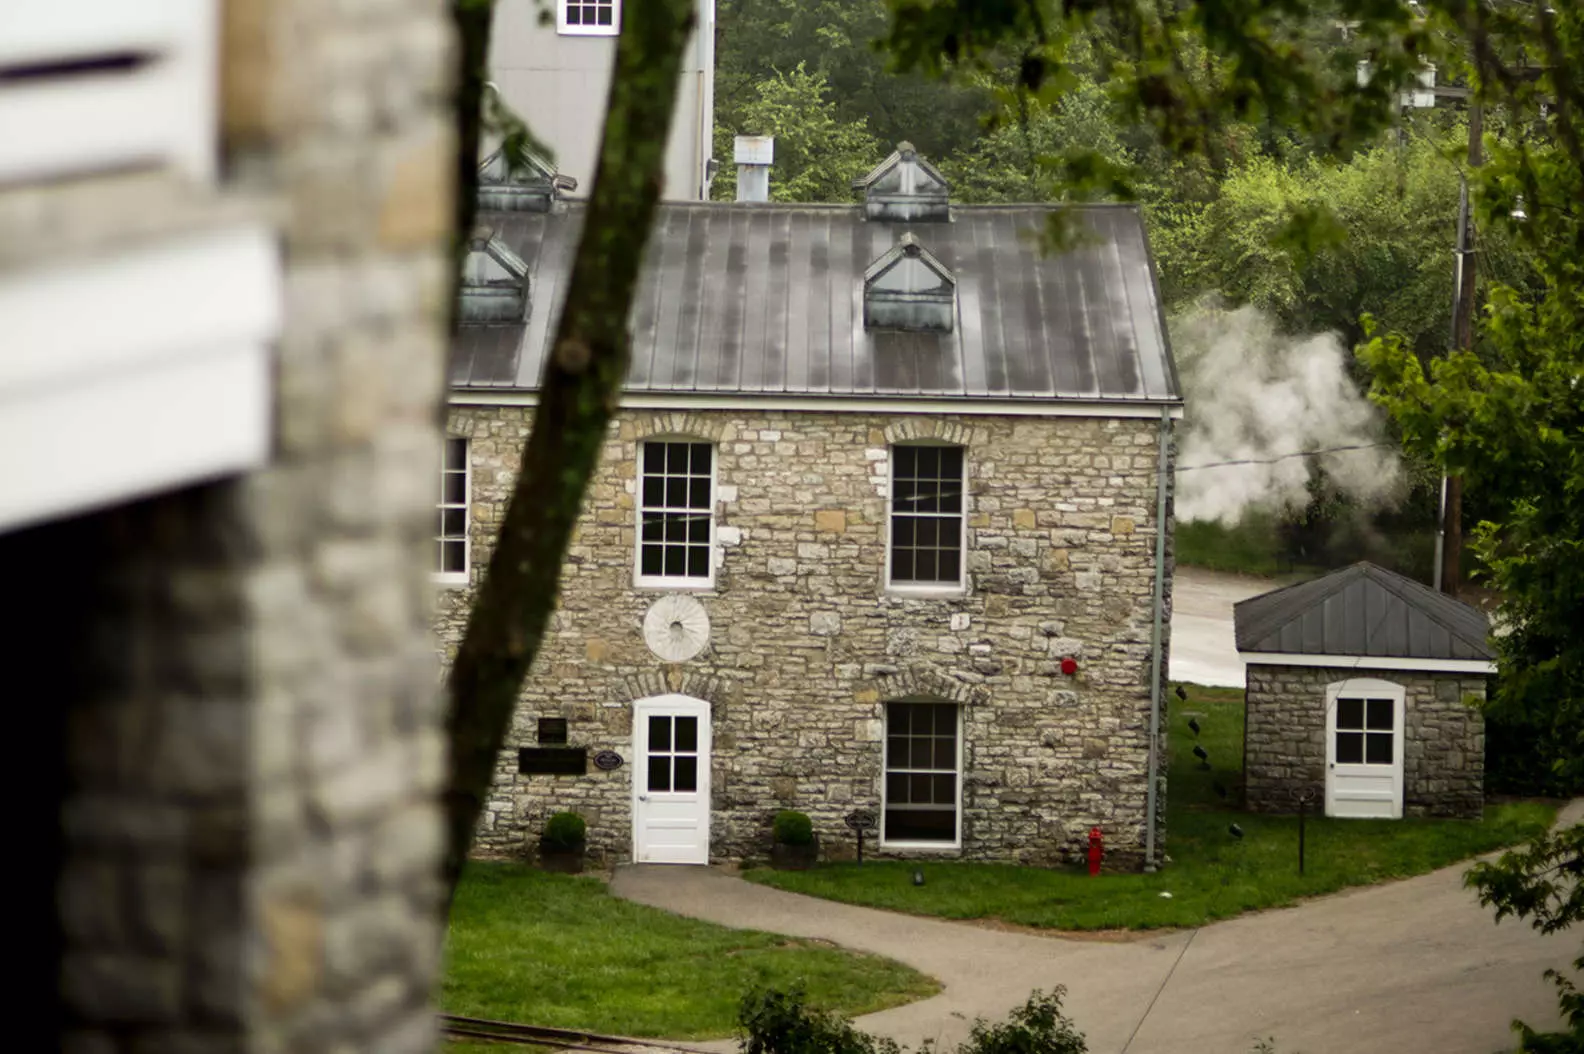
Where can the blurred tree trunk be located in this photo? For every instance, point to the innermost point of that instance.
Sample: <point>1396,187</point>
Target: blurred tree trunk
<point>578,393</point>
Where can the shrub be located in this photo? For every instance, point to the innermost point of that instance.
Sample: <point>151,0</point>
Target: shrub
<point>783,1023</point>
<point>1036,1027</point>
<point>775,1022</point>
<point>564,831</point>
<point>793,828</point>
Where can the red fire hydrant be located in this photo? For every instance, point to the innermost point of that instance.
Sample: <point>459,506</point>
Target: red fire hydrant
<point>1096,850</point>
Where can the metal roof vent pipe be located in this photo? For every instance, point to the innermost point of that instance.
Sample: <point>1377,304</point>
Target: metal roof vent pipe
<point>754,154</point>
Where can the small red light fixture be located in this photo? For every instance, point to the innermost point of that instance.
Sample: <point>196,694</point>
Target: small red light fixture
<point>1069,666</point>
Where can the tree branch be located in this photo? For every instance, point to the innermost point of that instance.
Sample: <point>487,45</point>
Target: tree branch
<point>577,397</point>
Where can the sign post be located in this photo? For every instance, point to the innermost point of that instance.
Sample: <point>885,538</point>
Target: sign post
<point>860,821</point>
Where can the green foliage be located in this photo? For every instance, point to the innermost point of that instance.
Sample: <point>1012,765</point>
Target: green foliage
<point>759,39</point>
<point>776,1022</point>
<point>525,945</point>
<point>1542,882</point>
<point>563,832</point>
<point>792,828</point>
<point>1036,1027</point>
<point>817,153</point>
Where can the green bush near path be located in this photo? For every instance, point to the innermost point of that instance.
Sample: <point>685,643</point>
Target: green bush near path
<point>555,950</point>
<point>1211,875</point>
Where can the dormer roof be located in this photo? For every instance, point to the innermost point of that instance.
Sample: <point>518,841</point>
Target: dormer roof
<point>532,188</point>
<point>494,281</point>
<point>905,187</point>
<point>908,288</point>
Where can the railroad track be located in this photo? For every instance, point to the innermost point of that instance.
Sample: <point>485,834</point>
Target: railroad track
<point>563,1038</point>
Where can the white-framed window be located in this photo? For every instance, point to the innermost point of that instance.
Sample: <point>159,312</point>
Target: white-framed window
<point>590,18</point>
<point>451,514</point>
<point>676,513</point>
<point>927,534</point>
<point>921,802</point>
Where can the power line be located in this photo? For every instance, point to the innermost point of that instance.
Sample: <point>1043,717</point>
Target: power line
<point>1283,457</point>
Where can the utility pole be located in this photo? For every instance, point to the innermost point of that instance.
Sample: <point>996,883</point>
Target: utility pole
<point>1449,543</point>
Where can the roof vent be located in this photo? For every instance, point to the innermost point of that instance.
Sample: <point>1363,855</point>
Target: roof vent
<point>494,281</point>
<point>909,289</point>
<point>532,188</point>
<point>905,187</point>
<point>754,155</point>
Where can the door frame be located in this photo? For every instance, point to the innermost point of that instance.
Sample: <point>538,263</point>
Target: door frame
<point>1374,688</point>
<point>671,703</point>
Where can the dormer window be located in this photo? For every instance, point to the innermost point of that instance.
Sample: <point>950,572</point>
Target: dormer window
<point>531,188</point>
<point>909,289</point>
<point>905,187</point>
<point>494,281</point>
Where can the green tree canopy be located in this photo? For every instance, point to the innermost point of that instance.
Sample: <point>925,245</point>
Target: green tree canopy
<point>817,153</point>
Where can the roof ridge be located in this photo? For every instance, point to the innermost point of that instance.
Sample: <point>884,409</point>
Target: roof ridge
<point>1393,582</point>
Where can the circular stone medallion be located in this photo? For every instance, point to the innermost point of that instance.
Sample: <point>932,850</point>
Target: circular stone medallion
<point>676,627</point>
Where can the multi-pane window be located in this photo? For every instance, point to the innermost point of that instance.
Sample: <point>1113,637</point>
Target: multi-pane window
<point>451,514</point>
<point>921,761</point>
<point>926,516</point>
<point>676,504</point>
<point>1364,731</point>
<point>596,17</point>
<point>673,753</point>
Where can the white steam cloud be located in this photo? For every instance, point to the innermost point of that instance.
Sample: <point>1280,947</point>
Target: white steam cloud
<point>1256,396</point>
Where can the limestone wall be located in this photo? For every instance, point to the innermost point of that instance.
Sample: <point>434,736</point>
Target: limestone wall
<point>238,684</point>
<point>1443,748</point>
<point>807,644</point>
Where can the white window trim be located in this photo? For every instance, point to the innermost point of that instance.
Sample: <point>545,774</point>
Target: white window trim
<point>462,578</point>
<point>1367,662</point>
<point>672,584</point>
<point>568,30</point>
<point>926,590</point>
<point>955,845</point>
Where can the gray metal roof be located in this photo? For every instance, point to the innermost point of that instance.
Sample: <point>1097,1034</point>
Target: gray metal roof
<point>768,299</point>
<point>1362,610</point>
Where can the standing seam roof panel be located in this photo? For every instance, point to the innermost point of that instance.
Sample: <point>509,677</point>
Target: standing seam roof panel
<point>728,301</point>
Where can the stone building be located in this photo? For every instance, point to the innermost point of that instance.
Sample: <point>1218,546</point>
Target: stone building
<point>1364,690</point>
<point>878,527</point>
<point>224,277</point>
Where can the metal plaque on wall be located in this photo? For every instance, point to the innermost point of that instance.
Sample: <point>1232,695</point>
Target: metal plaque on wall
<point>607,760</point>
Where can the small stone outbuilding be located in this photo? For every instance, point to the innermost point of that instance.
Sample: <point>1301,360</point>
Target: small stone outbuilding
<point>1364,687</point>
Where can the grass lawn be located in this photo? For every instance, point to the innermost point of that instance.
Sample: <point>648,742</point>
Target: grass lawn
<point>556,950</point>
<point>1211,875</point>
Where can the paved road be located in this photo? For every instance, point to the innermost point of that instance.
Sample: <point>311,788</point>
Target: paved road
<point>1202,646</point>
<point>1398,969</point>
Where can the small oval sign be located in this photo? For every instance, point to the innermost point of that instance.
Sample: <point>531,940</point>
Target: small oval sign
<point>607,760</point>
<point>861,820</point>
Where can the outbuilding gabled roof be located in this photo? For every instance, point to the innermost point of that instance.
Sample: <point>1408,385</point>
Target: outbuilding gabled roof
<point>1362,610</point>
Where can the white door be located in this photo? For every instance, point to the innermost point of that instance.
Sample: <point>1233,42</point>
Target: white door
<point>671,785</point>
<point>1364,749</point>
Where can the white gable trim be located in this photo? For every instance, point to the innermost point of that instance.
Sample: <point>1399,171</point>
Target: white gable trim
<point>1368,662</point>
<point>960,404</point>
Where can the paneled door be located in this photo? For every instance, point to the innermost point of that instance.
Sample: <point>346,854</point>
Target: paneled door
<point>671,792</point>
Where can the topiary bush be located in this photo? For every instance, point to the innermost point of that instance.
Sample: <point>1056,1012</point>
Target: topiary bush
<point>793,828</point>
<point>563,832</point>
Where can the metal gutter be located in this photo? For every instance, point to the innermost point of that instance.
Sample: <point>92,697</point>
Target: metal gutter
<point>1151,801</point>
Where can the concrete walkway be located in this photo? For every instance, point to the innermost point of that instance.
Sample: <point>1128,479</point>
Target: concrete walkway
<point>1412,966</point>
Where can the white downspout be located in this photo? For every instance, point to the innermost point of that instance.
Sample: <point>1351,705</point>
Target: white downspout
<point>1157,642</point>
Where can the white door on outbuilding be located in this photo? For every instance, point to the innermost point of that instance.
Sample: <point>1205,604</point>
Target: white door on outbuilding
<point>1364,749</point>
<point>671,780</point>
